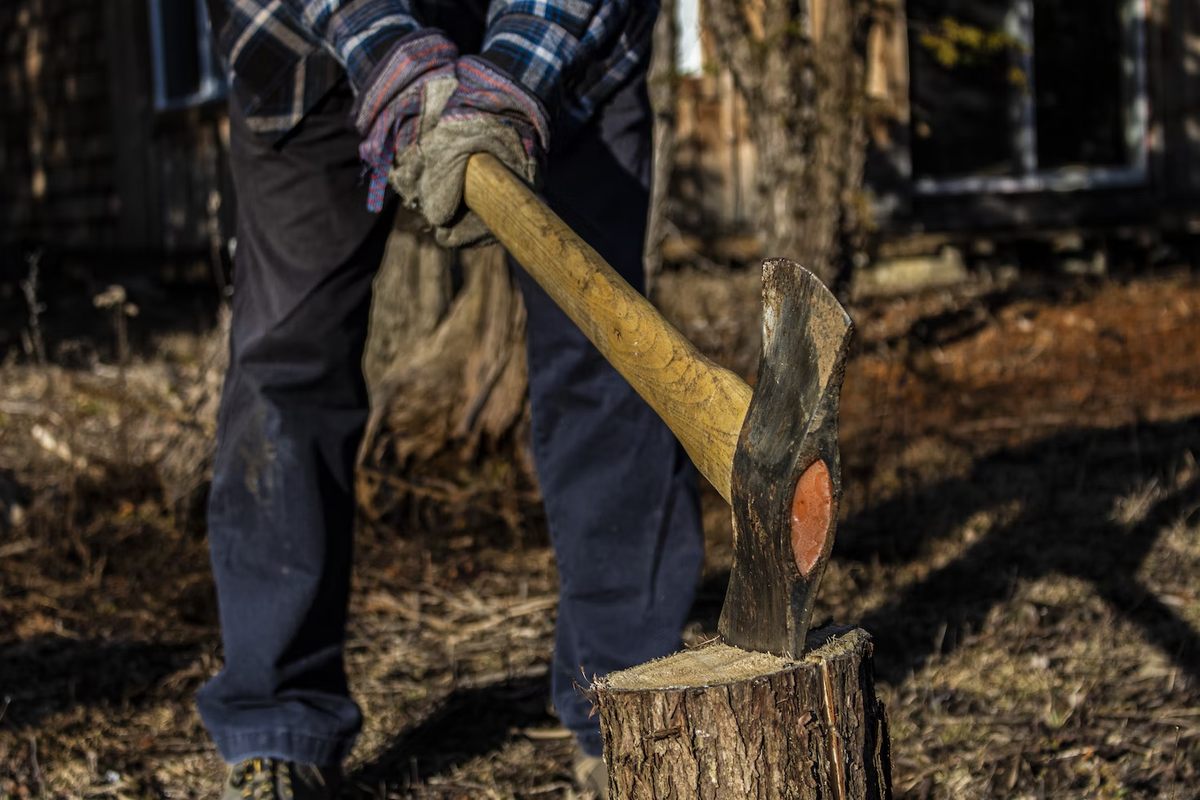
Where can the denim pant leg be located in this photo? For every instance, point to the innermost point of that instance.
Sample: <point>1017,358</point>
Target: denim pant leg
<point>621,494</point>
<point>281,506</point>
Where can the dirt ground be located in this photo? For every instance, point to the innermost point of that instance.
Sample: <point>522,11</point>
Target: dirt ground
<point>1019,533</point>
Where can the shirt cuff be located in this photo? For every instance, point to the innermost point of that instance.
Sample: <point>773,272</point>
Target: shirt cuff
<point>364,34</point>
<point>537,53</point>
<point>411,57</point>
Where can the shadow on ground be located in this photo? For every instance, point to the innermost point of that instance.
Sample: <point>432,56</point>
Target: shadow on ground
<point>172,296</point>
<point>469,723</point>
<point>1092,506</point>
<point>50,675</point>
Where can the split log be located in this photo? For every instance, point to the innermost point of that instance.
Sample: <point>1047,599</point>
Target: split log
<point>719,723</point>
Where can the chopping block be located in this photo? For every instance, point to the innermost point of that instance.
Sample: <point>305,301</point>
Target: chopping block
<point>769,711</point>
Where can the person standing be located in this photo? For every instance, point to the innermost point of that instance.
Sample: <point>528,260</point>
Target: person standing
<point>331,101</point>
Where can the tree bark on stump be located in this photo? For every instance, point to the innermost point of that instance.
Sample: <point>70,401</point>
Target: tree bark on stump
<point>719,723</point>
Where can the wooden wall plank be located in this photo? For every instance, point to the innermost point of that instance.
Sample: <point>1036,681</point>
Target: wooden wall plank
<point>1174,31</point>
<point>129,92</point>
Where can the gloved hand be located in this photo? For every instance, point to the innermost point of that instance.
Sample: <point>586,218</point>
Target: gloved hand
<point>416,77</point>
<point>487,112</point>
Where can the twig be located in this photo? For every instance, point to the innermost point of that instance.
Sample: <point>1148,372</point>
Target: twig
<point>431,488</point>
<point>546,788</point>
<point>33,762</point>
<point>34,346</point>
<point>51,445</point>
<point>1175,764</point>
<point>516,612</point>
<point>386,602</point>
<point>544,734</point>
<point>149,405</point>
<point>490,678</point>
<point>1074,752</point>
<point>114,297</point>
<point>15,549</point>
<point>16,408</point>
<point>1010,423</point>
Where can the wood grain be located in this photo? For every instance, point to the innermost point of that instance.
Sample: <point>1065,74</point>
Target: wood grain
<point>704,404</point>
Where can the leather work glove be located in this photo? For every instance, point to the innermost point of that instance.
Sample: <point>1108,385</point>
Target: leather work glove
<point>412,83</point>
<point>487,111</point>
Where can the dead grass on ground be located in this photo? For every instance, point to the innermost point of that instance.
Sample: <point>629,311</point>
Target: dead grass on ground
<point>1019,533</point>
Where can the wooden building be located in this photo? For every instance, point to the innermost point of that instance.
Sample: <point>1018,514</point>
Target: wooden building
<point>988,115</point>
<point>983,114</point>
<point>114,131</point>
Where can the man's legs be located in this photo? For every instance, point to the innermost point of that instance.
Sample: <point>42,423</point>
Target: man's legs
<point>292,414</point>
<point>621,495</point>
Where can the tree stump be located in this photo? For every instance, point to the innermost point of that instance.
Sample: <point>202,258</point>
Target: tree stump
<point>720,723</point>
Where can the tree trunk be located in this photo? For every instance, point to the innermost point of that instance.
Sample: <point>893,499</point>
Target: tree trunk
<point>662,87</point>
<point>410,296</point>
<point>800,67</point>
<point>447,375</point>
<point>719,723</point>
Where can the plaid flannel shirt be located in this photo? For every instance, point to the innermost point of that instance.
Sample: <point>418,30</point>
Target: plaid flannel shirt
<point>284,55</point>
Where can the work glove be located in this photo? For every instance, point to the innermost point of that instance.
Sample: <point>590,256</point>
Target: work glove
<point>487,111</point>
<point>416,77</point>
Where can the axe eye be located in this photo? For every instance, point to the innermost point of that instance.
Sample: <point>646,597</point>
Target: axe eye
<point>812,508</point>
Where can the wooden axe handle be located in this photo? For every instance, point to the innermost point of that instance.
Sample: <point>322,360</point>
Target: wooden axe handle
<point>704,404</point>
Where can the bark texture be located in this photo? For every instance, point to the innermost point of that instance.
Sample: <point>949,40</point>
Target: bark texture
<point>719,723</point>
<point>446,369</point>
<point>662,87</point>
<point>799,64</point>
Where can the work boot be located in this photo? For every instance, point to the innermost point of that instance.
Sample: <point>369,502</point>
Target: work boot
<point>591,775</point>
<point>274,779</point>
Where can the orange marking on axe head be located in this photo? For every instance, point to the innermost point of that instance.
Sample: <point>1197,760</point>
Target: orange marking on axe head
<point>812,508</point>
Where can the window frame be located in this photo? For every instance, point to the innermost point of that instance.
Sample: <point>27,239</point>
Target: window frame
<point>1023,114</point>
<point>213,85</point>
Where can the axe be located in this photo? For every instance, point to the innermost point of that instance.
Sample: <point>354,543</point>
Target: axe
<point>772,452</point>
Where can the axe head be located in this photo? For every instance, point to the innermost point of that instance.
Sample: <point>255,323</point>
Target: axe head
<point>786,480</point>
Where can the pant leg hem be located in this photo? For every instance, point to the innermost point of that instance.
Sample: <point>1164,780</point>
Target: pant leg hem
<point>284,745</point>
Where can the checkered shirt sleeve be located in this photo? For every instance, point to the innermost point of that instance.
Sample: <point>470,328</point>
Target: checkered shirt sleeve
<point>573,54</point>
<point>286,54</point>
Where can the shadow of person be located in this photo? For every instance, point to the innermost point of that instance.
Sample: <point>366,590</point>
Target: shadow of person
<point>1088,504</point>
<point>48,675</point>
<point>470,722</point>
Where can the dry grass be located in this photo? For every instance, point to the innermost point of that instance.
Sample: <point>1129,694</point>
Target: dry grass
<point>1019,534</point>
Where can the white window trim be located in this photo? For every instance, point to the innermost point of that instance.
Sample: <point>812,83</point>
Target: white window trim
<point>689,56</point>
<point>1069,179</point>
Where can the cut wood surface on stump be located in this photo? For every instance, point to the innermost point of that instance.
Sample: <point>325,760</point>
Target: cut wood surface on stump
<point>718,722</point>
